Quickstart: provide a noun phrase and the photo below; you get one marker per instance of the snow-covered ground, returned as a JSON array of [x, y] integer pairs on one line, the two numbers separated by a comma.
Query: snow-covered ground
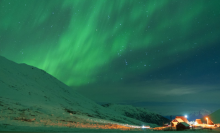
[[33, 100], [114, 131], [30, 97]]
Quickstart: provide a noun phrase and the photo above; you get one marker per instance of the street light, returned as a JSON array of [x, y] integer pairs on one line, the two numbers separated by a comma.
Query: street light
[[207, 120], [185, 116]]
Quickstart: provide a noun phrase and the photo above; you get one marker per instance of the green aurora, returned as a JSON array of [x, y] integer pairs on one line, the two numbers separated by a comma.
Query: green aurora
[[78, 40], [160, 54]]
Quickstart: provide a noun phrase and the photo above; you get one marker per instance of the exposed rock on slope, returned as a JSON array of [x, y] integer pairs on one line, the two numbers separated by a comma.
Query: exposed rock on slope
[[137, 113]]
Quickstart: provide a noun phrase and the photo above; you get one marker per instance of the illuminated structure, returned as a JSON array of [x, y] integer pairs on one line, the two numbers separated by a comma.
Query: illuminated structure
[[198, 121], [183, 123], [209, 122], [179, 119]]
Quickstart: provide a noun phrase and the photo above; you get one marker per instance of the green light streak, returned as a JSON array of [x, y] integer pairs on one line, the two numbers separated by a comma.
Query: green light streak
[[76, 41]]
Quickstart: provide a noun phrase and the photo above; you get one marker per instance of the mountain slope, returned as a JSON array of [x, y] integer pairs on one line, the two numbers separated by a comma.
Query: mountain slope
[[137, 113], [28, 94], [214, 117]]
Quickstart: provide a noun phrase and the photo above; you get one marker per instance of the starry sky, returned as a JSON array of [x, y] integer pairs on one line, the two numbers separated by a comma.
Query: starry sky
[[159, 54]]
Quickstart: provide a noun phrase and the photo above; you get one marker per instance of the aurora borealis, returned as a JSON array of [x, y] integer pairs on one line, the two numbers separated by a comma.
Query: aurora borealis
[[140, 52]]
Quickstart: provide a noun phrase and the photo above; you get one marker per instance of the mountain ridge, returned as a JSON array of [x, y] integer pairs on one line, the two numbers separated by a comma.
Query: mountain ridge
[[198, 114], [32, 95]]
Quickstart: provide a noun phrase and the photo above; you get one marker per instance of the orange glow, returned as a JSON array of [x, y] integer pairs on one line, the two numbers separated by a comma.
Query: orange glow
[[71, 124]]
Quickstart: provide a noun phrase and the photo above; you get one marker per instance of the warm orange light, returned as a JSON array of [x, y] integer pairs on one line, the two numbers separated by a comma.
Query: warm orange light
[[207, 118]]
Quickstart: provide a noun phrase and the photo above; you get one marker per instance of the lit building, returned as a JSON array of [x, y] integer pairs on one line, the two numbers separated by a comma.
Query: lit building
[[179, 119], [198, 121]]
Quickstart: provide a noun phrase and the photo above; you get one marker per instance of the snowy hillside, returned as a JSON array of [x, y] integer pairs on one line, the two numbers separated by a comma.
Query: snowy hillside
[[30, 95], [198, 114], [214, 117], [137, 113]]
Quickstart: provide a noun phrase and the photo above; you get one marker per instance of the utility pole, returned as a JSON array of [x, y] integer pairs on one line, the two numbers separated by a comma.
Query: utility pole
[[171, 122]]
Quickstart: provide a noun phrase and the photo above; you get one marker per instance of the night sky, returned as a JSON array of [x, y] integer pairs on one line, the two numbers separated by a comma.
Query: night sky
[[160, 54]]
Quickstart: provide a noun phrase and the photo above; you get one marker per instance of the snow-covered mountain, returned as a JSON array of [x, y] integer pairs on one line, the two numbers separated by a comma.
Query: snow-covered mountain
[[29, 95], [198, 114], [137, 113]]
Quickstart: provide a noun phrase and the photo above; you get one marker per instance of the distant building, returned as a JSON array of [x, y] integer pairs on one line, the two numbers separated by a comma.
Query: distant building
[[179, 119], [207, 121], [183, 118], [210, 122], [204, 123], [166, 124], [198, 121], [182, 126], [176, 121]]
